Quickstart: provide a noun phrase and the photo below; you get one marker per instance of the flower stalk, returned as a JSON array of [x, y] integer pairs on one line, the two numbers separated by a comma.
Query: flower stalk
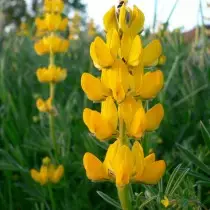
[[124, 197]]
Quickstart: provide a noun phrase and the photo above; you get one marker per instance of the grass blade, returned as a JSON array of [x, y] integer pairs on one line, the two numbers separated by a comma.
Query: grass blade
[[192, 158], [147, 201], [205, 134], [108, 199]]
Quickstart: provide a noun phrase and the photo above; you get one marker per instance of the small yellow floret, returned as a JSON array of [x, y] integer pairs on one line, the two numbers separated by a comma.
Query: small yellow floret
[[53, 6], [165, 202], [51, 74], [52, 44]]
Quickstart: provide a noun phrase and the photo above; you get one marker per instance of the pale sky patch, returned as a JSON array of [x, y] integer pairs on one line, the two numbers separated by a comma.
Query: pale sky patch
[[185, 14]]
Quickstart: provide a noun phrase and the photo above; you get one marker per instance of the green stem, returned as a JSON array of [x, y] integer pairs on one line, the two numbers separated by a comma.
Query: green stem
[[124, 192], [51, 115], [52, 120], [122, 136], [51, 197], [124, 196]]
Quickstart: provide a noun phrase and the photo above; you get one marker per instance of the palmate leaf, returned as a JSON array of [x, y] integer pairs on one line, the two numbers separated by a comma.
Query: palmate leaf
[[109, 200], [205, 134], [192, 158]]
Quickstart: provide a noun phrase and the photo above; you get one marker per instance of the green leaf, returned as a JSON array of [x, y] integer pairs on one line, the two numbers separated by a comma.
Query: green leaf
[[205, 134], [109, 200], [192, 158], [147, 201], [171, 179], [178, 181]]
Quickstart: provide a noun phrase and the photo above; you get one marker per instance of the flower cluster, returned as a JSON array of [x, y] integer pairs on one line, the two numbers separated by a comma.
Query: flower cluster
[[125, 84], [48, 172], [51, 43]]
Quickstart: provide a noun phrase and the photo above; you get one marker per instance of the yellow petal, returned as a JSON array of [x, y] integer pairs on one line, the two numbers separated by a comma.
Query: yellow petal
[[127, 110], [154, 117], [94, 167], [100, 54], [93, 87], [124, 18], [109, 112], [138, 154], [87, 119], [152, 52], [123, 165], [131, 49], [109, 20], [43, 175], [35, 175], [118, 80], [113, 42], [137, 20], [153, 172], [97, 124], [139, 123], [149, 159], [110, 155], [57, 175], [152, 83]]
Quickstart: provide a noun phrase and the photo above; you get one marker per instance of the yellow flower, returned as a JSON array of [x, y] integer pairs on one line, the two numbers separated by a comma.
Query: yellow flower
[[147, 85], [48, 172], [104, 54], [165, 202], [110, 20], [131, 49], [51, 74], [103, 124], [152, 52], [123, 165], [53, 6], [44, 106], [94, 87], [131, 21], [116, 79], [135, 118], [52, 44], [51, 22]]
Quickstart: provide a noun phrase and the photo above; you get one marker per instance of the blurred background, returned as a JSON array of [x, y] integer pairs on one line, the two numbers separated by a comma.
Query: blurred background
[[183, 26]]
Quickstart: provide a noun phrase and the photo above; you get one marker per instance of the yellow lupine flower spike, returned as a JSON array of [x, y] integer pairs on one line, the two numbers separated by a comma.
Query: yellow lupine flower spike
[[51, 74], [48, 172], [103, 124], [123, 165]]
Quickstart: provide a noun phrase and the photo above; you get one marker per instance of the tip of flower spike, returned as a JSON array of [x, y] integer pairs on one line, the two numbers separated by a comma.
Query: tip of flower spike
[[46, 160]]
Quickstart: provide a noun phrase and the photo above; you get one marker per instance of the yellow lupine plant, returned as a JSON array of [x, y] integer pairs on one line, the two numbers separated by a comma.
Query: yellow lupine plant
[[51, 43], [125, 83]]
